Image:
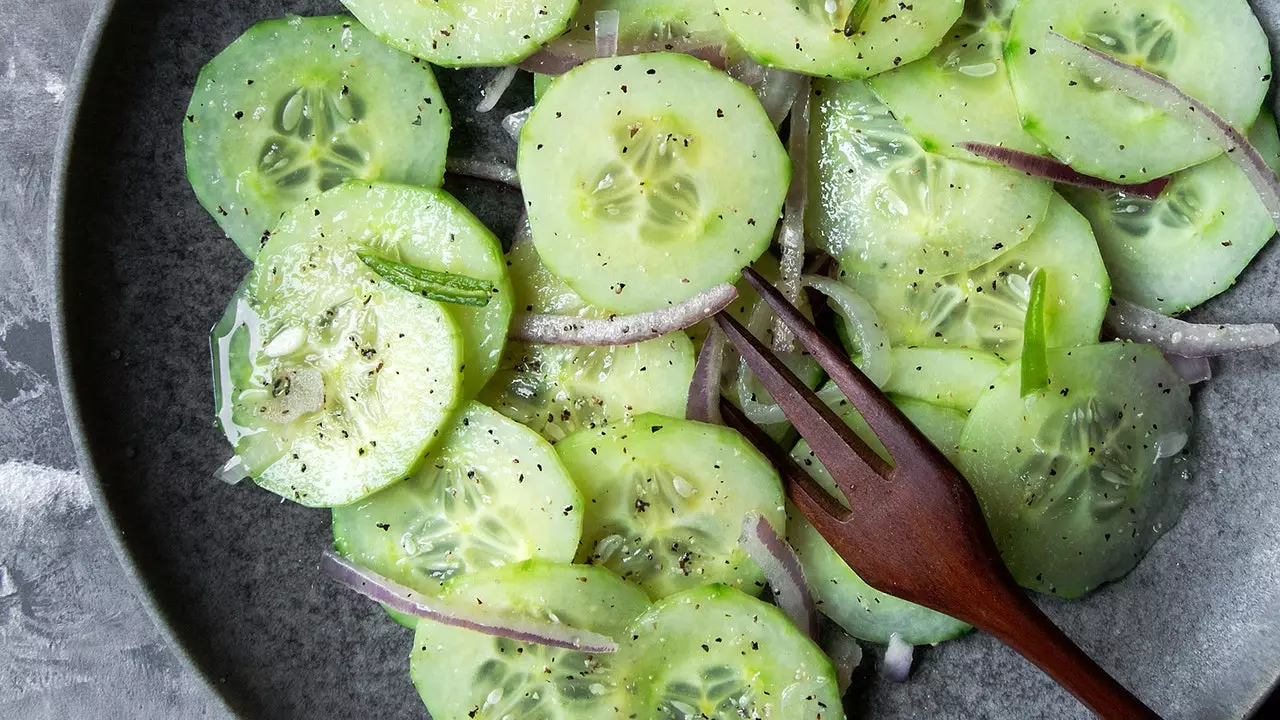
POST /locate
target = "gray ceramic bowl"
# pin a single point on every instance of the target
(231, 574)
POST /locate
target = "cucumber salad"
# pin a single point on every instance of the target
(998, 206)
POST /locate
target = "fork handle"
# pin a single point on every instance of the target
(1022, 626)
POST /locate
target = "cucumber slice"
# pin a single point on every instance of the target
(1177, 251)
(462, 33)
(330, 382)
(492, 493)
(649, 179)
(817, 37)
(1077, 481)
(461, 673)
(427, 228)
(961, 92)
(860, 609)
(537, 290)
(1216, 51)
(949, 378)
(559, 390)
(985, 308)
(716, 653)
(666, 499)
(295, 107)
(645, 26)
(880, 203)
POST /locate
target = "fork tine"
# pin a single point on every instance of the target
(855, 466)
(897, 433)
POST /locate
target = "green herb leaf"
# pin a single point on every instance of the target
(1035, 353)
(853, 23)
(442, 286)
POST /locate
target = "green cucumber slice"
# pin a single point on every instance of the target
(716, 653)
(961, 92)
(816, 37)
(650, 178)
(461, 673)
(1177, 251)
(665, 501)
(539, 291)
(559, 390)
(841, 595)
(645, 26)
(881, 203)
(1216, 51)
(295, 107)
(950, 378)
(462, 33)
(985, 308)
(426, 228)
(1078, 481)
(330, 382)
(491, 493)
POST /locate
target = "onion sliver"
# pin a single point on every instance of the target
(864, 326)
(1193, 370)
(782, 571)
(514, 123)
(496, 88)
(1157, 92)
(703, 404)
(791, 233)
(491, 170)
(607, 33)
(1056, 171)
(1128, 321)
(621, 329)
(897, 659)
(844, 651)
(402, 599)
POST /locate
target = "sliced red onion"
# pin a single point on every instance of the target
(897, 659)
(496, 88)
(1059, 172)
(791, 232)
(704, 391)
(864, 326)
(491, 170)
(1128, 321)
(233, 472)
(781, 568)
(844, 651)
(1193, 370)
(514, 123)
(1154, 90)
(402, 599)
(607, 33)
(622, 329)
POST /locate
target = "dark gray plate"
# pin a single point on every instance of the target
(231, 572)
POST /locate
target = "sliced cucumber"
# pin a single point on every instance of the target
(295, 107)
(860, 609)
(539, 291)
(1173, 253)
(838, 38)
(646, 26)
(1216, 51)
(949, 378)
(985, 308)
(461, 673)
(716, 653)
(460, 33)
(1077, 481)
(880, 203)
(492, 493)
(559, 390)
(665, 501)
(961, 92)
(649, 179)
(331, 383)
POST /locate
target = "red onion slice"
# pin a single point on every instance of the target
(782, 571)
(791, 232)
(703, 404)
(607, 32)
(1059, 172)
(490, 170)
(1193, 370)
(1154, 90)
(1128, 321)
(233, 472)
(897, 659)
(622, 329)
(496, 88)
(402, 599)
(863, 323)
(514, 123)
(844, 651)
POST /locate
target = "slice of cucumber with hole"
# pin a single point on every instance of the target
(1216, 51)
(1188, 245)
(650, 178)
(665, 501)
(880, 203)
(491, 493)
(295, 107)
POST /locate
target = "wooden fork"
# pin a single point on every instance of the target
(916, 530)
